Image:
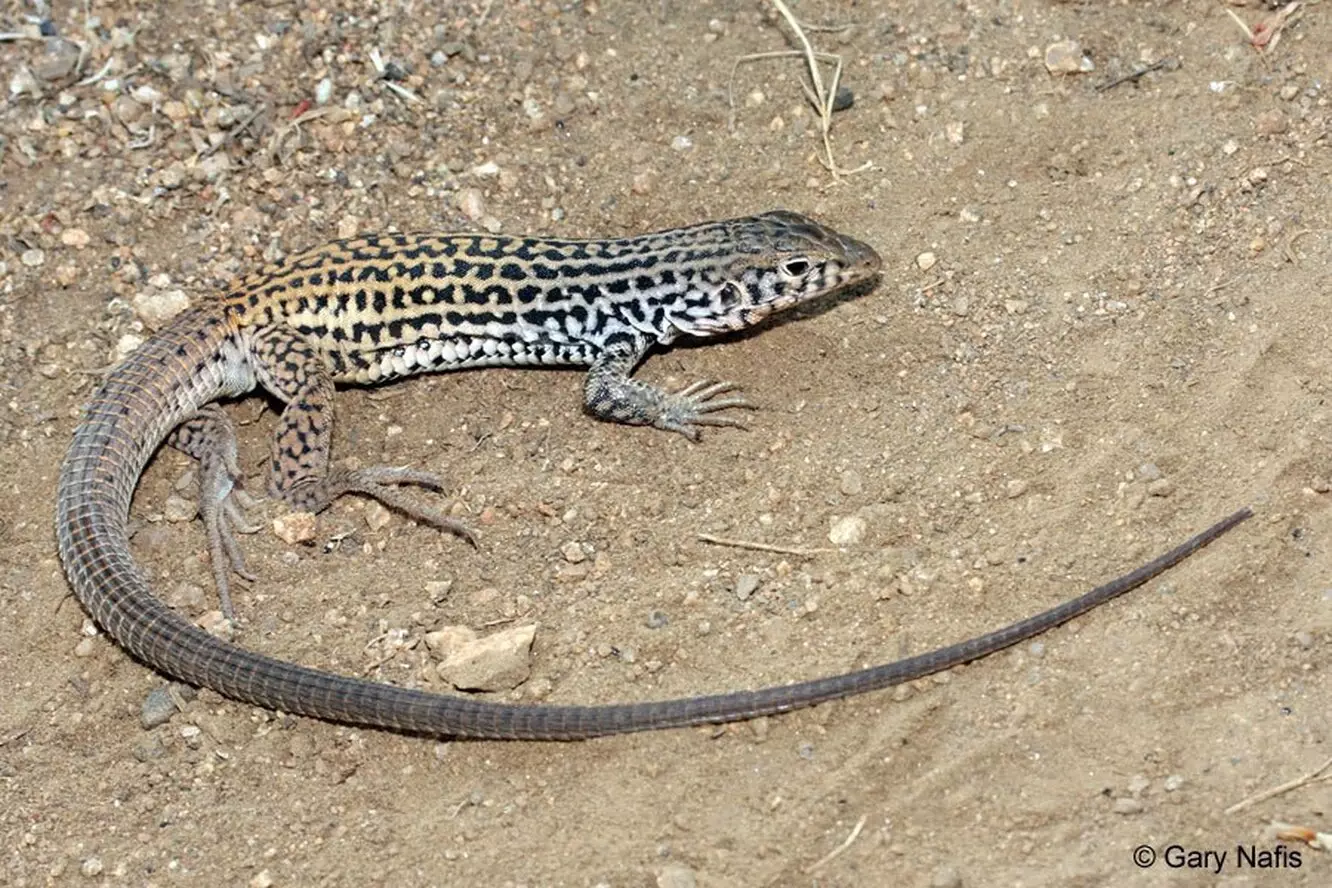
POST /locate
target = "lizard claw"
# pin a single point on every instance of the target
(696, 404)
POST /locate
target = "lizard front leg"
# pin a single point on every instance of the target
(612, 394)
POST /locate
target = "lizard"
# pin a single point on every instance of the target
(378, 308)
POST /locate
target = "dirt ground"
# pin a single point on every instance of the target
(1121, 338)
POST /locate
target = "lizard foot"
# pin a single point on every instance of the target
(696, 404)
(381, 483)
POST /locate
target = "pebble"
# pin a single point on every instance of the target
(58, 62)
(946, 877)
(323, 91)
(675, 875)
(179, 509)
(377, 516)
(848, 531)
(1270, 123)
(498, 662)
(295, 527)
(160, 705)
(91, 866)
(851, 484)
(32, 258)
(843, 99)
(156, 307)
(1173, 783)
(438, 590)
(681, 143)
(85, 647)
(657, 619)
(926, 260)
(1138, 784)
(75, 237)
(746, 585)
(471, 204)
(148, 749)
(1304, 639)
(573, 552)
(1066, 57)
(217, 625)
(1148, 472)
(1161, 487)
(1015, 488)
(1127, 807)
(262, 879)
(447, 639)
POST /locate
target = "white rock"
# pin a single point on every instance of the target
(156, 307)
(498, 662)
(847, 531)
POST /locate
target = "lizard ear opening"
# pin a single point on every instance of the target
(794, 268)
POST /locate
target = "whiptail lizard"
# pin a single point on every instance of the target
(383, 307)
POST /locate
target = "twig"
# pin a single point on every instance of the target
(822, 99)
(761, 547)
(1164, 63)
(855, 833)
(1313, 776)
(1289, 248)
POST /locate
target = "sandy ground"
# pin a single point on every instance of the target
(1121, 339)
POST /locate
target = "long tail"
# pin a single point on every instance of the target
(185, 367)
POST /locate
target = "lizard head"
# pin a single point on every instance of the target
(776, 260)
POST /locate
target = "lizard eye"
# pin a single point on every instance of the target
(732, 295)
(796, 267)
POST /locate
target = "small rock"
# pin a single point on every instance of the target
(58, 62)
(377, 516)
(746, 585)
(676, 875)
(681, 143)
(149, 749)
(573, 552)
(1173, 783)
(1270, 123)
(217, 625)
(156, 307)
(1066, 57)
(843, 99)
(1127, 807)
(161, 704)
(946, 877)
(445, 640)
(126, 344)
(1304, 639)
(1148, 472)
(1138, 784)
(1161, 487)
(323, 91)
(85, 647)
(498, 662)
(32, 258)
(438, 590)
(851, 485)
(657, 620)
(91, 866)
(471, 204)
(187, 598)
(1015, 488)
(262, 879)
(295, 527)
(75, 237)
(178, 509)
(926, 260)
(847, 531)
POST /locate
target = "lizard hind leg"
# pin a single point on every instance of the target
(210, 438)
(299, 472)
